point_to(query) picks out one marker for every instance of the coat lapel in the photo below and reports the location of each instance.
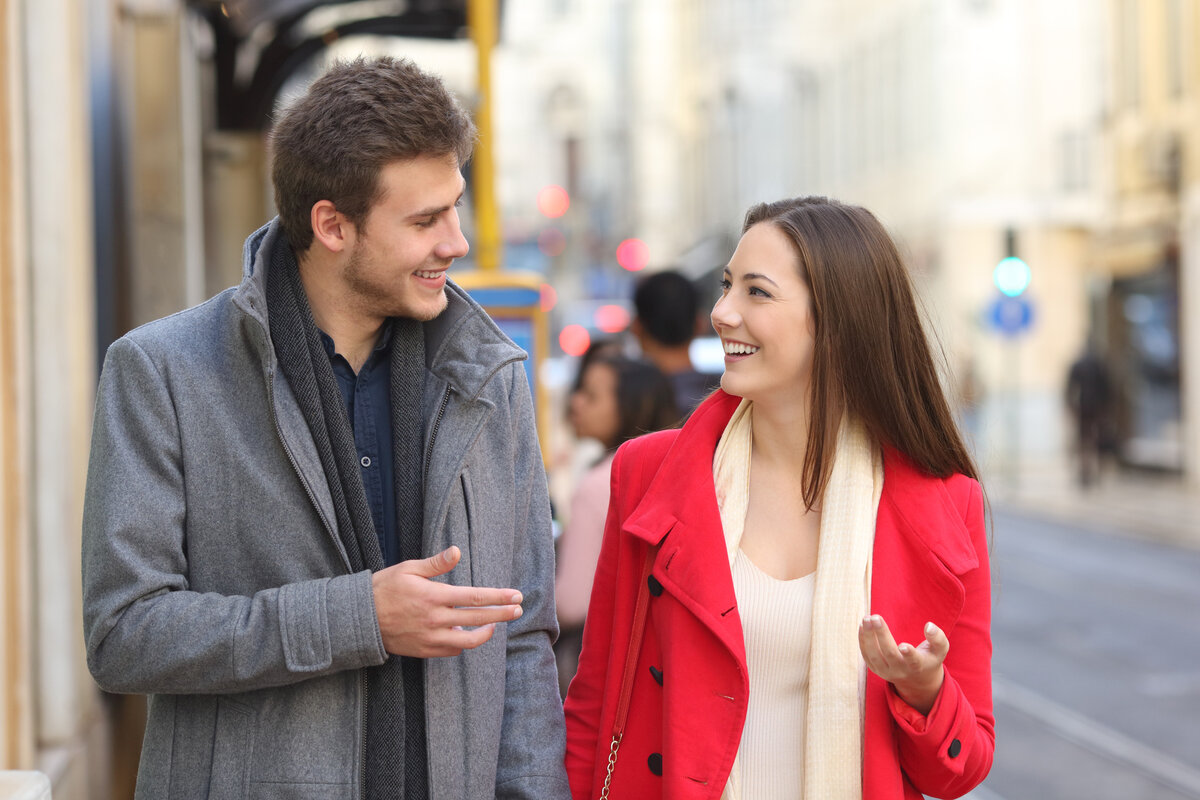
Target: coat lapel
(681, 501)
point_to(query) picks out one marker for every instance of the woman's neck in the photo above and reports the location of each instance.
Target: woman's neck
(780, 434)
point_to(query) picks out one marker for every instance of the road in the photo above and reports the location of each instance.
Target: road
(1096, 665)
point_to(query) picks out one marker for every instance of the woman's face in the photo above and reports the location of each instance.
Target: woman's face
(765, 319)
(594, 404)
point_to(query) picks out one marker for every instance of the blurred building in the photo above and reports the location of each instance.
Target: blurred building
(51, 716)
(975, 129)
(1147, 247)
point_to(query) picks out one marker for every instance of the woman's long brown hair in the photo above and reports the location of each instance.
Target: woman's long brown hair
(871, 355)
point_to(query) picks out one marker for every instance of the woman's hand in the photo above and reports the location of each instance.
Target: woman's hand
(916, 672)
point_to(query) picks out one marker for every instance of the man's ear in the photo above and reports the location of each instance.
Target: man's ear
(330, 227)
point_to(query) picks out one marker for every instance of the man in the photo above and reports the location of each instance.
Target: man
(665, 308)
(1089, 397)
(302, 491)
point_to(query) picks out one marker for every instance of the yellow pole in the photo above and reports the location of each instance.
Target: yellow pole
(481, 19)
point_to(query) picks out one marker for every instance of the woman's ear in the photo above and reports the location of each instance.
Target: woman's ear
(330, 227)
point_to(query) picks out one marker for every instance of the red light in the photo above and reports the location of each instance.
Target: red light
(548, 299)
(633, 254)
(553, 201)
(552, 242)
(611, 319)
(574, 340)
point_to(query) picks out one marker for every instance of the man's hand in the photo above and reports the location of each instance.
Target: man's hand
(422, 618)
(916, 672)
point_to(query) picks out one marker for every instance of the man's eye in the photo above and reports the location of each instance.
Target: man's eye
(427, 223)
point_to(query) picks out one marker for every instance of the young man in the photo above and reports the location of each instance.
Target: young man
(302, 492)
(665, 307)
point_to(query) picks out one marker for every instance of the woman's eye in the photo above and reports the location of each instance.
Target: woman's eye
(754, 290)
(725, 284)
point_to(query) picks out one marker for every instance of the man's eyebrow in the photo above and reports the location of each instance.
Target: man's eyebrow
(749, 276)
(434, 211)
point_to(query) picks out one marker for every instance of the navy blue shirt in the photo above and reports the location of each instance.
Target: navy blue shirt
(368, 405)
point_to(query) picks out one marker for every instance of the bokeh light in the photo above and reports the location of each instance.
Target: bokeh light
(633, 254)
(611, 318)
(553, 201)
(552, 242)
(574, 340)
(548, 298)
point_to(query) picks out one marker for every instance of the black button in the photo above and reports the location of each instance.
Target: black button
(955, 748)
(657, 673)
(655, 586)
(655, 763)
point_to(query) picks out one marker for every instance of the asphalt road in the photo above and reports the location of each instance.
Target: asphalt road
(1096, 665)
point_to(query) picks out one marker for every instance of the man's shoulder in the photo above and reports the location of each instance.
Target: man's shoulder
(192, 328)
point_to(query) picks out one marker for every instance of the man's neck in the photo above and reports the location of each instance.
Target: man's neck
(354, 332)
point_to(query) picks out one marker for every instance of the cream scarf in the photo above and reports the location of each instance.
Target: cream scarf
(833, 739)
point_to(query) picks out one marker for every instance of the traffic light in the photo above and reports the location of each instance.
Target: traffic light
(1011, 313)
(1011, 275)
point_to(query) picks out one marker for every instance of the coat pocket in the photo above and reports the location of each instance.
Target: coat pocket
(232, 751)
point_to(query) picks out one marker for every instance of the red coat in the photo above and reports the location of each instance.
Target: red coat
(690, 692)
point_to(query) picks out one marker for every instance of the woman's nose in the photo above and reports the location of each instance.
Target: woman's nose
(724, 315)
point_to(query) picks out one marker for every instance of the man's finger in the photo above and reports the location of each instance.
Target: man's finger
(457, 640)
(474, 617)
(435, 565)
(475, 596)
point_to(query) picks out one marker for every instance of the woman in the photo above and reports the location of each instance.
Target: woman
(615, 399)
(817, 511)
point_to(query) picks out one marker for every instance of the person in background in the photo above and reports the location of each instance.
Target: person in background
(666, 306)
(1089, 398)
(316, 528)
(793, 596)
(616, 399)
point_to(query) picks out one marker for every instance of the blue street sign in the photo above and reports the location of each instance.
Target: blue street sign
(1010, 315)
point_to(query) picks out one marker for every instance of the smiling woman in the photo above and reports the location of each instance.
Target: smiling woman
(815, 522)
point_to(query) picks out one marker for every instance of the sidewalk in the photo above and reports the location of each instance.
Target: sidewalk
(1156, 507)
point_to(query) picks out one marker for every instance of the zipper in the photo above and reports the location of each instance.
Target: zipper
(437, 422)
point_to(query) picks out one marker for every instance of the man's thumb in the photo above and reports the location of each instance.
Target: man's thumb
(437, 564)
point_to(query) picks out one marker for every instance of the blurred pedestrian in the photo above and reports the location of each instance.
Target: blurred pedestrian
(302, 492)
(781, 581)
(666, 312)
(1089, 398)
(616, 399)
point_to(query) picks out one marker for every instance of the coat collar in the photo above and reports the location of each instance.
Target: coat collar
(682, 490)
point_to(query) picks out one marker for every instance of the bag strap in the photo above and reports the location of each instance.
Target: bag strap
(631, 657)
(635, 641)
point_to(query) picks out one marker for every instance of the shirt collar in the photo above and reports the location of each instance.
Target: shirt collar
(381, 344)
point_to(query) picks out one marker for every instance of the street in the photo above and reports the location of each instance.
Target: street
(1096, 665)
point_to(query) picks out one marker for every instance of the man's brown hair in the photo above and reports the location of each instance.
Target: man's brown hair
(354, 120)
(871, 356)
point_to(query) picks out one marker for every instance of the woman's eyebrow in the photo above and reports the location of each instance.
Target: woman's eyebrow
(750, 276)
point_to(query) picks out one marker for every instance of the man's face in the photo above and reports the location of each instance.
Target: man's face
(397, 267)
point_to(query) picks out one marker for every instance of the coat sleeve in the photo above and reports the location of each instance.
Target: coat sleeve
(146, 631)
(530, 764)
(949, 752)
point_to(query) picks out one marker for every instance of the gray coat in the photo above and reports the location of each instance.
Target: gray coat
(214, 579)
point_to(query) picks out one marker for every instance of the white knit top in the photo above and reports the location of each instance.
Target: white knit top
(777, 629)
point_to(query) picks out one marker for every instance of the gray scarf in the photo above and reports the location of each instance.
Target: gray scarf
(395, 758)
